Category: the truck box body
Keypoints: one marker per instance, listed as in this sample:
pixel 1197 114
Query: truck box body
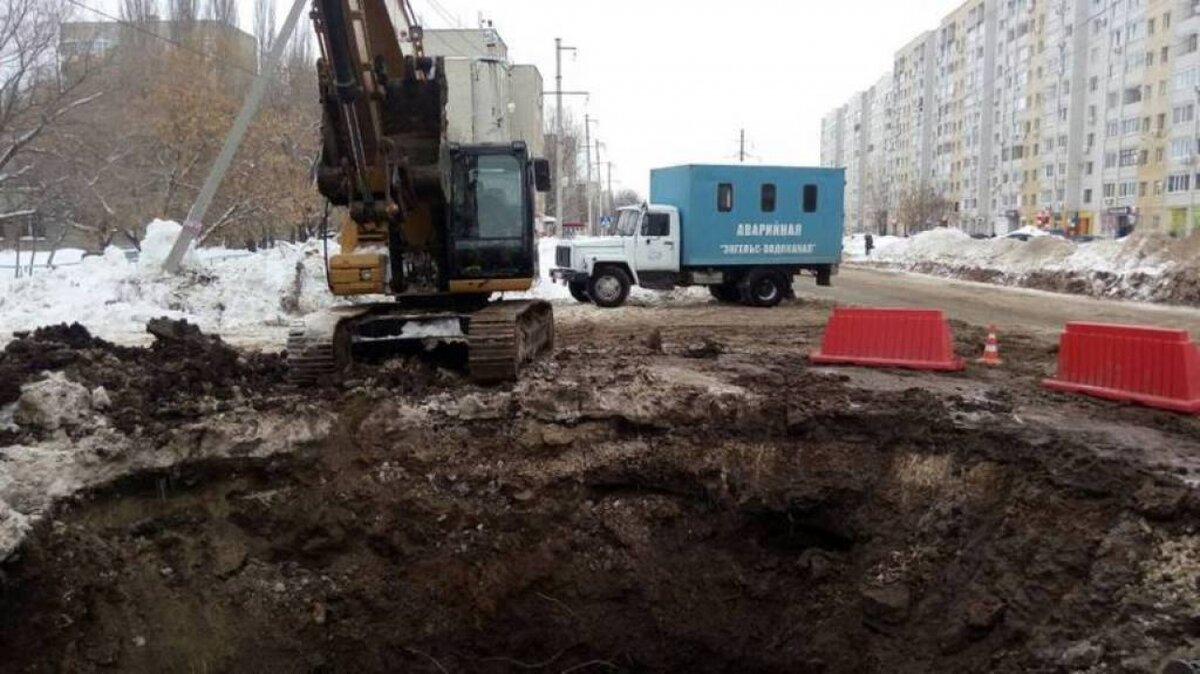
pixel 726 219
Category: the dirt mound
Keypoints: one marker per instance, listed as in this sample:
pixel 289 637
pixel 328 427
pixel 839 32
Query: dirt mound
pixel 183 374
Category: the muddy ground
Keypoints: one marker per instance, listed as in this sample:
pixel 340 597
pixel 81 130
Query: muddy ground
pixel 676 490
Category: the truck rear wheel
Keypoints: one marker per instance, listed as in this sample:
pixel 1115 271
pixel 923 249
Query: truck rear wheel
pixel 609 287
pixel 726 292
pixel 579 292
pixel 764 289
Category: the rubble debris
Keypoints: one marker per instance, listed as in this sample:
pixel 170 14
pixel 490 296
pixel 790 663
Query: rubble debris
pixel 53 403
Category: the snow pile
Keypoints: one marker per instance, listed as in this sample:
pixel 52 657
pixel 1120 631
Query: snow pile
pixel 249 299
pixel 1142 267
pixel 855 247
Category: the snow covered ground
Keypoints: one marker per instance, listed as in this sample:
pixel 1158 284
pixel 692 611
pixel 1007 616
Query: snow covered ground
pixel 250 299
pixel 1144 267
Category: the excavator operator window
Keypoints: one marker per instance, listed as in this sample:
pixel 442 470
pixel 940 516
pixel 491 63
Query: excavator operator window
pixel 489 207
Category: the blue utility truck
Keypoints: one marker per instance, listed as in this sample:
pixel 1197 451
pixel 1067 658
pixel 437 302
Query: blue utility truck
pixel 744 231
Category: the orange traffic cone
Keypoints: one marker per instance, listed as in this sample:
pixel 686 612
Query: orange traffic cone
pixel 991 352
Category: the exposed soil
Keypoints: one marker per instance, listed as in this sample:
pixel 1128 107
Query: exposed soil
pixel 674 491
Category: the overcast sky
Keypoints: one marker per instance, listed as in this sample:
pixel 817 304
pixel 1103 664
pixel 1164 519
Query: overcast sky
pixel 673 81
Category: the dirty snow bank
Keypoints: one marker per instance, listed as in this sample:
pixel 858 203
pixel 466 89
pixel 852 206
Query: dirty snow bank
pixel 248 298
pixel 1145 267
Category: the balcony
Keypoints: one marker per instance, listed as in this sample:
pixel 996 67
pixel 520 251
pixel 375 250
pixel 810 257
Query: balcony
pixel 1188 19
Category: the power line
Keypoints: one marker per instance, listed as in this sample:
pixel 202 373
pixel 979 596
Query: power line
pixel 454 23
pixel 163 38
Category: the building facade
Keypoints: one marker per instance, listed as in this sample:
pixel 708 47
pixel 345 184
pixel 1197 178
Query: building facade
pixel 1079 115
pixel 85 44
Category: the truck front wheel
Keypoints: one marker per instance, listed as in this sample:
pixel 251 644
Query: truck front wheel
pixel 763 289
pixel 579 292
pixel 609 287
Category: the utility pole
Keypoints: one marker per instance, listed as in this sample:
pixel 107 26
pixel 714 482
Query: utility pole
pixel 558 141
pixel 588 121
pixel 587 187
pixel 192 226
pixel 612 201
pixel 599 183
pixel 742 148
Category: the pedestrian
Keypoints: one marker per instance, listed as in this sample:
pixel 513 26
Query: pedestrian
pixel 870 244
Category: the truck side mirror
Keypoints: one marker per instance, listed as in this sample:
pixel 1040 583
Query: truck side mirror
pixel 541 175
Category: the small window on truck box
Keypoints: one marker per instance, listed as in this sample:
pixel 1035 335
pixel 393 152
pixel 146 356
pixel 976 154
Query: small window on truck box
pixel 768 198
pixel 725 197
pixel 810 198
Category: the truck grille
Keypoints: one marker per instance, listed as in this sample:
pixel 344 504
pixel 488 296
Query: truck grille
pixel 562 257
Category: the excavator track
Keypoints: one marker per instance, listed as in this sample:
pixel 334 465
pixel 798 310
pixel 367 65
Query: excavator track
pixel 503 338
pixel 312 356
pixel 506 336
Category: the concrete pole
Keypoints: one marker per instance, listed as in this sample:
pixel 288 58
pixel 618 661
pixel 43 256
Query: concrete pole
pixel 558 141
pixel 195 218
pixel 742 148
pixel 587 192
pixel 611 205
pixel 599 193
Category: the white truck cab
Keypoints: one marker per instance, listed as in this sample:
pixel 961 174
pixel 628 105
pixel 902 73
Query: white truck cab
pixel 645 251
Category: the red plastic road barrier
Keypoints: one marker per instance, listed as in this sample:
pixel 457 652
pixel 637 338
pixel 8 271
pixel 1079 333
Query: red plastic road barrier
pixel 917 339
pixel 1149 366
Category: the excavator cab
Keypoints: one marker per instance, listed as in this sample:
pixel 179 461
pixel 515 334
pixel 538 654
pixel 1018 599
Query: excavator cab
pixel 491 237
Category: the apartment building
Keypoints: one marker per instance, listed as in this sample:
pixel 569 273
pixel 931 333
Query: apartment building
pixel 914 75
pixel 1082 115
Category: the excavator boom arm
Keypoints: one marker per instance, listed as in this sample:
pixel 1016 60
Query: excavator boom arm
pixel 371 93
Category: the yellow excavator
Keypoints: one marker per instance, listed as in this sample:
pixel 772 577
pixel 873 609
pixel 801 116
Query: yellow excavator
pixel 440 228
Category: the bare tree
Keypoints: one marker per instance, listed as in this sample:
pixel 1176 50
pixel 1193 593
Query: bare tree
pixel 264 27
pixel 877 207
pixel 627 197
pixel 921 209
pixel 34 98
pixel 574 198
pixel 223 11
pixel 184 11
pixel 139 11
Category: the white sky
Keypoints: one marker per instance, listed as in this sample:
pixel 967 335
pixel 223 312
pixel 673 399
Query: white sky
pixel 673 81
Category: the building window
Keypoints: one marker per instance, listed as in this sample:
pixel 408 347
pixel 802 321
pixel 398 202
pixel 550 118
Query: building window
pixel 725 197
pixel 1087 196
pixel 810 198
pixel 768 198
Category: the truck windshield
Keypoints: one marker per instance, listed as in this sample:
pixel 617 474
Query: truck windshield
pixel 627 224
pixel 489 216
